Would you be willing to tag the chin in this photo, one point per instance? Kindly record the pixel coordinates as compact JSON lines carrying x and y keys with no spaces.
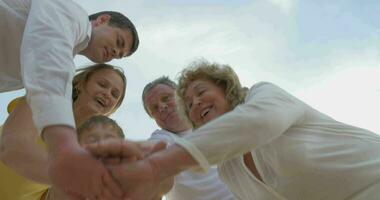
{"x":96,"y":58}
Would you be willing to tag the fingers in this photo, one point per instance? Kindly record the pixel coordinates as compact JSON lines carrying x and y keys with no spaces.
{"x":112,"y":161}
{"x":111,"y":189}
{"x":131,"y":149}
{"x":149,"y":147}
{"x":115,"y":148}
{"x":104,"y":148}
{"x":159,"y":146}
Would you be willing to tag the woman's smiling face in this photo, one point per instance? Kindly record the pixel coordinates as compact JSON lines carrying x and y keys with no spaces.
{"x":100,"y":93}
{"x":205,"y":101}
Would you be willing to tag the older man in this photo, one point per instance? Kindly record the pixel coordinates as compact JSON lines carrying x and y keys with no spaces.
{"x":159,"y":103}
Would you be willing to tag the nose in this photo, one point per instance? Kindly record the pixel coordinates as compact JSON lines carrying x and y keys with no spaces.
{"x":107,"y":93}
{"x":163,"y":107}
{"x":117,"y":53}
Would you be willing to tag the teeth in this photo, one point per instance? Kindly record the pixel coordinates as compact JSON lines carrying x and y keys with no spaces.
{"x":100,"y":101}
{"x":204,"y":113}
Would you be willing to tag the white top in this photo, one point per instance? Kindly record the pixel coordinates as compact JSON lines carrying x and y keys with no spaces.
{"x":190,"y":185}
{"x":38,"y":41}
{"x":299,"y":152}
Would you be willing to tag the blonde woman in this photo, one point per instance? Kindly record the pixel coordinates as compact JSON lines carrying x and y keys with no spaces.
{"x":97,"y":90}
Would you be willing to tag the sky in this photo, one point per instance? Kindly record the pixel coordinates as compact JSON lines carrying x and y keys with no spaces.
{"x":327,"y":53}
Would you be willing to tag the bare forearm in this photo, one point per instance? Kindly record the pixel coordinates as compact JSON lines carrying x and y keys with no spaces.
{"x":29,"y":161}
{"x":19,"y":148}
{"x":171,"y":161}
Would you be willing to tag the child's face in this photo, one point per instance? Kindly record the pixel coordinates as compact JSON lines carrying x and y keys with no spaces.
{"x":98,"y":133}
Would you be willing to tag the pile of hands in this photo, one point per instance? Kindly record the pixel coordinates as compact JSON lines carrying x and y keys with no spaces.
{"x":108,"y":170}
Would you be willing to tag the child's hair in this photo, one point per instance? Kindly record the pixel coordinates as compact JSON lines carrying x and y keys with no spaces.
{"x":100,"y":120}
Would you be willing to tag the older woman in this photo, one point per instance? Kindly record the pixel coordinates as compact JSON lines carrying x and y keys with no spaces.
{"x":267,"y":143}
{"x":97,"y":90}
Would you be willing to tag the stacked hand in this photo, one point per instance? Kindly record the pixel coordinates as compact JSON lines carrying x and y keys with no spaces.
{"x":76,"y":172}
{"x":137,"y":175}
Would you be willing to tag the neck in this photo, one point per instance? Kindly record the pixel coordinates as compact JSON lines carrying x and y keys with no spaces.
{"x":80,"y":116}
{"x":179,"y":129}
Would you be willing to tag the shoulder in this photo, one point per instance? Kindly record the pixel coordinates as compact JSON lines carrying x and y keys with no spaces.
{"x":263,"y":89}
{"x":163,"y":135}
{"x":263,"y":85}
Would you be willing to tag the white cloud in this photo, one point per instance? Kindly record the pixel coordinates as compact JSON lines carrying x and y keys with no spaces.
{"x":261,"y":40}
{"x":285,"y":6}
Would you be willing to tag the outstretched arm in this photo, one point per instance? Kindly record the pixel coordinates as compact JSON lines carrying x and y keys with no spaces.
{"x":148,"y":178}
{"x":19,"y":148}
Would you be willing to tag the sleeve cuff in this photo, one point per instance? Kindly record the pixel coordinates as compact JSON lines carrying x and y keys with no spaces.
{"x":194,"y":152}
{"x":51,"y":110}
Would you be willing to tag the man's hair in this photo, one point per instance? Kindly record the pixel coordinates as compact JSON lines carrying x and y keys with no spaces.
{"x":161,"y":80}
{"x":120,"y":21}
{"x":100,"y":120}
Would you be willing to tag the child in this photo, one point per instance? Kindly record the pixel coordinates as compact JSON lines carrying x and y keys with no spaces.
{"x":95,"y":129}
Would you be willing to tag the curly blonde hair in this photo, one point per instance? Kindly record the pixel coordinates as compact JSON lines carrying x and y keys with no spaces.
{"x":222,"y":75}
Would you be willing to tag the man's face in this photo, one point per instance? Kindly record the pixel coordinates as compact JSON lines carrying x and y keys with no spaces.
{"x":161,"y":106}
{"x":107,"y":42}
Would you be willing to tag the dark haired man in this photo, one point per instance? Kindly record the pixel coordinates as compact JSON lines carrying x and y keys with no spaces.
{"x":39,"y":39}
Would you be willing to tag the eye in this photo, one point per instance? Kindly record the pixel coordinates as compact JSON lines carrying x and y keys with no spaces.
{"x":115,"y":94}
{"x":110,"y":136}
{"x":200,"y":92}
{"x":90,"y":140}
{"x":102,"y":84}
{"x":165,"y":98}
{"x":153,"y":109}
{"x":120,"y":42}
{"x":189,"y":105}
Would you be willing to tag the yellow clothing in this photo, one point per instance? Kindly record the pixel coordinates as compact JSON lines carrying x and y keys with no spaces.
{"x":16,"y":187}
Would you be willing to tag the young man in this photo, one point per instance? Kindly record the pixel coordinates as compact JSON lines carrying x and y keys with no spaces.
{"x":39,"y":39}
{"x":159,"y":103}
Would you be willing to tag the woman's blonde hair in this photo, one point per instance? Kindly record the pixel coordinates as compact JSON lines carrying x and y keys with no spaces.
{"x":84,"y":74}
{"x":222,"y":75}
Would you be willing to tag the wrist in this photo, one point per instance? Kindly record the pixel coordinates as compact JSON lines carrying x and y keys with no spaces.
{"x":171,"y":161}
{"x":59,"y":137}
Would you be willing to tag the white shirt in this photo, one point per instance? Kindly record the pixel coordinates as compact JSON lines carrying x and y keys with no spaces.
{"x":300,"y":153}
{"x":190,"y":185}
{"x":38,"y":41}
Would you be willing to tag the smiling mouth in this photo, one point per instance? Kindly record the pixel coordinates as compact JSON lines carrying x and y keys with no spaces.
{"x":170,"y":114}
{"x":206,"y":112}
{"x":101,"y":102}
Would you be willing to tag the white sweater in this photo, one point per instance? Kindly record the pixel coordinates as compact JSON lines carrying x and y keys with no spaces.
{"x":300,"y":153}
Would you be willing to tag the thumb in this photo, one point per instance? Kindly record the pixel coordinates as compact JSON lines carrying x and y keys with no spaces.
{"x":158,"y":146}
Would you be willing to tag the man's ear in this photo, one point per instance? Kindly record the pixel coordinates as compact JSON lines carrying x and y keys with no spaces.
{"x":101,"y":19}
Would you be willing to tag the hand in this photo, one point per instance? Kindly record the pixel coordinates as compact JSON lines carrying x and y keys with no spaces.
{"x":73,"y":169}
{"x":117,"y":151}
{"x":113,"y":151}
{"x":148,"y":147}
{"x":139,"y":180}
